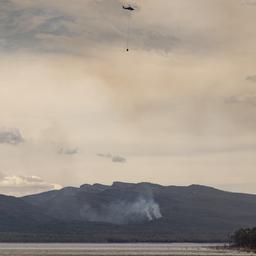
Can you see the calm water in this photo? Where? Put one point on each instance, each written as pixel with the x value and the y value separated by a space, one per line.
pixel 115 249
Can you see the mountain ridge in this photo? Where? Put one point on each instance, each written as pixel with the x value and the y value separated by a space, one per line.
pixel 130 211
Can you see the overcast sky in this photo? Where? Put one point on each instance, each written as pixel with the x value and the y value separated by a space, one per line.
pixel 179 108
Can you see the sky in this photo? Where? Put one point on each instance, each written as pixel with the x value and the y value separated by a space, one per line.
pixel 178 108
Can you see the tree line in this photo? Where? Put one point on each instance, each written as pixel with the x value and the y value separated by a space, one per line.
pixel 245 237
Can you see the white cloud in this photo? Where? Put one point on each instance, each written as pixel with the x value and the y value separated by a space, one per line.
pixel 20 185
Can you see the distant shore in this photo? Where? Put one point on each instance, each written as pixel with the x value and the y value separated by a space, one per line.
pixel 85 238
pixel 237 248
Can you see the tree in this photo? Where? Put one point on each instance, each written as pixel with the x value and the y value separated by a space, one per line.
pixel 245 237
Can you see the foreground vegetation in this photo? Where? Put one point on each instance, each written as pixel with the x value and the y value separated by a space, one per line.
pixel 245 238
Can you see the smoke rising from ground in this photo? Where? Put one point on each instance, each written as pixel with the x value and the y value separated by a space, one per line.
pixel 123 212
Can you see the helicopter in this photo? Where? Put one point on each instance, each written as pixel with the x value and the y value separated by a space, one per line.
pixel 130 9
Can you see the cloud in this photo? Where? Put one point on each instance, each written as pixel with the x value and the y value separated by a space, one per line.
pixel 10 136
pixel 21 25
pixel 114 158
pixel 104 155
pixel 248 2
pixel 242 99
pixel 68 151
pixel 20 185
pixel 58 27
pixel 251 78
pixel 118 159
pixel 152 107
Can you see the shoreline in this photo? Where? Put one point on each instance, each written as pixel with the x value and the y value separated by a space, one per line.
pixel 237 248
pixel 193 244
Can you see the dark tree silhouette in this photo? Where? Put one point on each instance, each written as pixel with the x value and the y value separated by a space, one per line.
pixel 245 237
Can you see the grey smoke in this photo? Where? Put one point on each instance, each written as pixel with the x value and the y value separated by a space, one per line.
pixel 145 207
pixel 122 212
pixel 10 136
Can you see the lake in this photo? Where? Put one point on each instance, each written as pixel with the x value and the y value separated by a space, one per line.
pixel 179 249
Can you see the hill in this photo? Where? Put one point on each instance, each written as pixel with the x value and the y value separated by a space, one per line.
pixel 132 212
pixel 18 215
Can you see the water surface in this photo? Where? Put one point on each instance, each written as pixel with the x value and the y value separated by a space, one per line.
pixel 184 249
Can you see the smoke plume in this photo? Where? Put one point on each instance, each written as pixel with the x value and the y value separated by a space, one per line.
pixel 123 212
